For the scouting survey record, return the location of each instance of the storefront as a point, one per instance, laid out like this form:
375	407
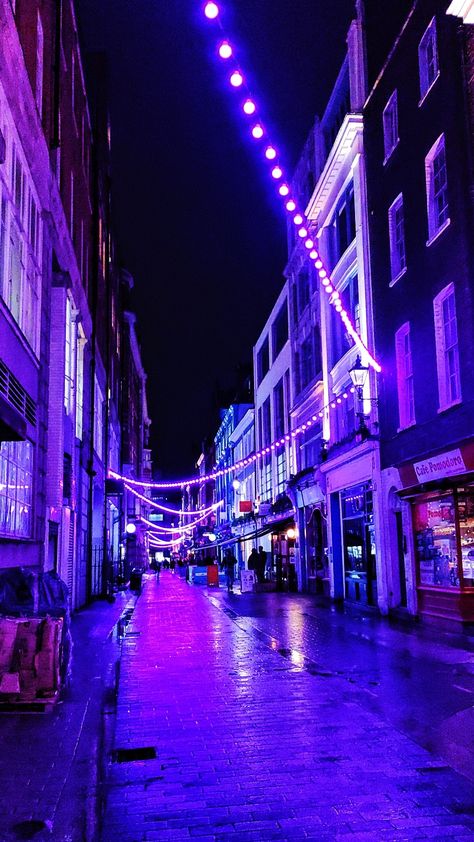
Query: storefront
358	539
283	559
443	533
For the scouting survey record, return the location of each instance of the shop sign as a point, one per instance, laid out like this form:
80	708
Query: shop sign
445	465
247	580
245	506
454	462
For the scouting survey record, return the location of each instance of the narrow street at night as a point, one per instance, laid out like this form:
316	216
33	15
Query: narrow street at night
273	717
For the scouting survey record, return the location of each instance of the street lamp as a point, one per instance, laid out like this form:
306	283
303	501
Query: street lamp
358	374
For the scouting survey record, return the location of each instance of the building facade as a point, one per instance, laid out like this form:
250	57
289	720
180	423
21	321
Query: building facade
419	142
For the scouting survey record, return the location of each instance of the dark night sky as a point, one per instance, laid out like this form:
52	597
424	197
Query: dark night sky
198	223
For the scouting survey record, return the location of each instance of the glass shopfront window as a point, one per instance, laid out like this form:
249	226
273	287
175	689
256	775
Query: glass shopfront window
359	544
444	540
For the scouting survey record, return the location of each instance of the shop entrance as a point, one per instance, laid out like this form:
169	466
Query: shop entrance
358	538
283	559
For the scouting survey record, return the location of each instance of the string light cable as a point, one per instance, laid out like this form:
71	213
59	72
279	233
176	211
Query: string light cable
172	529
160	506
333	404
237	80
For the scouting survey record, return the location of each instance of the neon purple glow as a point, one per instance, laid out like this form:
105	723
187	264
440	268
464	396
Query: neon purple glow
283	190
290	205
302	232
161	508
298	219
313	254
236	80
270	153
211	10
249	106
309	244
257	131
225	50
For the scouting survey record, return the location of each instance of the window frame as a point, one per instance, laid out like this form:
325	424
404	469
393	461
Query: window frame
446	401
398	263
434	227
390	143
405	377
429	36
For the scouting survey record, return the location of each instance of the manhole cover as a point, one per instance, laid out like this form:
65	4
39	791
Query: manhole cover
128	755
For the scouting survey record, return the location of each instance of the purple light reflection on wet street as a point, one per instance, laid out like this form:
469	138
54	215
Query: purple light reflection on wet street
275	718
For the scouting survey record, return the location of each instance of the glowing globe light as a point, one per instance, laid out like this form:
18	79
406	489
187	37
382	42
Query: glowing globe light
283	190
309	244
290	205
236	80
225	50
211	10
270	153
313	254
277	172
249	107
298	219
236	484
130	529
257	131
302	233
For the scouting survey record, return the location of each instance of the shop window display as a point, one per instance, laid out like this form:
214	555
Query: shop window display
444	539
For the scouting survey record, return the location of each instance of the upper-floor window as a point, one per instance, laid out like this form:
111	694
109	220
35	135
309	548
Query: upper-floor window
390	125
265	424
447	350
263	360
69	358
405	388
303	289
436	188
396	228
428	59
341	340
280	331
343	228
310	447
279	409
39	65
16	489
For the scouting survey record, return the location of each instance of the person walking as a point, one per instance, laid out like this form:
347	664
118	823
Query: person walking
253	560
229	563
261	564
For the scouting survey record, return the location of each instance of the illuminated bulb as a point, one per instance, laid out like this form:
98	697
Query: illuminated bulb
322	273
270	153
309	244
302	233
225	50
313	254
277	172
283	190
298	219
236	80
211	10
321	414
130	528
290	205
329	288
352	389
257	131
249	106
318	264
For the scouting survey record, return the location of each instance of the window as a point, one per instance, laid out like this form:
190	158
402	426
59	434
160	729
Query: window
396	229
310	447
428	59
266	430
98	419
281	471
447	351
69	358
342	227
303	289
16	489
307	362
279	409
436	189
39	65
406	394
390	125
71	209
81	341
341	340
280	331
263	360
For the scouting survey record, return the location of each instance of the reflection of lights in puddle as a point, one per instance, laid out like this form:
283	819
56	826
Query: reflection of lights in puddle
297	659
274	644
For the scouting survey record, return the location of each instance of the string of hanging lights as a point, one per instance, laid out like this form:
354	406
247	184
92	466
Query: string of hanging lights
172	529
203	512
333	404
159	506
236	78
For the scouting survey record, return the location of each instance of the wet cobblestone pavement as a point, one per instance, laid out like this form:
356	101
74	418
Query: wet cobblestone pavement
50	762
267	716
